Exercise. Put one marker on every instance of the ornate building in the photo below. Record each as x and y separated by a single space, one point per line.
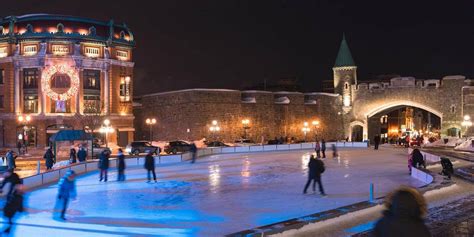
63 72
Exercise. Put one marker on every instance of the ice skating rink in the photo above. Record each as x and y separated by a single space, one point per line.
217 195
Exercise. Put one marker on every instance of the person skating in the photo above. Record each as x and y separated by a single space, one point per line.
405 209
315 169
317 149
19 145
323 148
193 151
49 157
66 191
150 166
72 155
376 142
334 151
10 180
104 165
121 165
10 160
82 154
13 205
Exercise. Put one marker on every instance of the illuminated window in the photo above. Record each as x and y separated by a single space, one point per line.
125 89
92 52
122 55
30 49
60 106
3 52
30 78
92 104
60 49
30 104
60 81
384 119
91 79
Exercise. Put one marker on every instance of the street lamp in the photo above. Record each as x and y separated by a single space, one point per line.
466 123
106 128
214 128
305 129
246 125
150 123
315 124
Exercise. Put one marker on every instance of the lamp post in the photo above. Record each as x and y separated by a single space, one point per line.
315 124
245 125
466 123
214 128
150 123
106 128
305 130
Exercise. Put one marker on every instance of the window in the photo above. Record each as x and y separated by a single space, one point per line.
61 81
92 52
2 75
92 104
30 49
125 89
91 79
30 104
60 106
30 78
60 49
1 102
346 86
3 52
122 54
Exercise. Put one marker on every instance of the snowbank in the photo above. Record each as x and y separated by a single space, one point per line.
466 145
446 142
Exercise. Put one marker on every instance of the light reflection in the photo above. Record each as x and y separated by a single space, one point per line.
214 177
246 170
346 164
304 161
346 176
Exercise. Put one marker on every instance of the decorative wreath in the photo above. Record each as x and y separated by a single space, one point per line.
48 74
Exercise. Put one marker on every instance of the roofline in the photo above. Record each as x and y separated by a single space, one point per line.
44 16
189 90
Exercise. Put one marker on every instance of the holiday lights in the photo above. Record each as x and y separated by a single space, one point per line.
48 74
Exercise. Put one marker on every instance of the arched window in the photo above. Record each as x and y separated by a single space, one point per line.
60 28
92 31
453 109
346 85
122 34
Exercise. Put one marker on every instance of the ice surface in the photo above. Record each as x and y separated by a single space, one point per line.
218 195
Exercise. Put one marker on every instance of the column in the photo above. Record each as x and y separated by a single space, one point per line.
17 88
106 92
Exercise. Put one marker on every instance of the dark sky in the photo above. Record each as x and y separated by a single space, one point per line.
233 44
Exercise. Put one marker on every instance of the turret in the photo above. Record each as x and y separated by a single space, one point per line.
345 73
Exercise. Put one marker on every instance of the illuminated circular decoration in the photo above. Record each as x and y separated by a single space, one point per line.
48 74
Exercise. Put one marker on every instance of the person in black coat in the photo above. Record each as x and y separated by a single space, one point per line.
82 154
323 148
193 151
405 208
104 165
13 205
376 142
150 166
49 157
11 179
316 168
72 155
121 165
417 159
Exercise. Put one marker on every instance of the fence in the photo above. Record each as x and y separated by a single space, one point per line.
81 168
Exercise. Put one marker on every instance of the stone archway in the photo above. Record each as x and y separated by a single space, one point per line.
357 131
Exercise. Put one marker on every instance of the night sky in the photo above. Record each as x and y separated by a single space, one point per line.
236 44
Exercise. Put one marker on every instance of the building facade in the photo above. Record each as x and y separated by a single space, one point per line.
354 110
62 72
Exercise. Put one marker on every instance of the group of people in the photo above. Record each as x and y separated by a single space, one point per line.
74 156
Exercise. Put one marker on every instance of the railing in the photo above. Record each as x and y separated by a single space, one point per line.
52 176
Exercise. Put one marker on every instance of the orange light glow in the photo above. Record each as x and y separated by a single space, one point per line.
22 31
83 31
52 29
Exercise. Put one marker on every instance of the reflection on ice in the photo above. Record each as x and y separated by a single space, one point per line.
214 177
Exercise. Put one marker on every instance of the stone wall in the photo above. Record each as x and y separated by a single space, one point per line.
270 114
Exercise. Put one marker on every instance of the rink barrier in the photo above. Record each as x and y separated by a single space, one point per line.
427 156
421 175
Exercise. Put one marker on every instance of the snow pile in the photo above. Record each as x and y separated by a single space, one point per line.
446 142
61 164
466 145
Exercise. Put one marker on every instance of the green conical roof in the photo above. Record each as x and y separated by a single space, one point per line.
344 56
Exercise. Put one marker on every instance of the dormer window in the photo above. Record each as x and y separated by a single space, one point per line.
122 34
30 50
60 28
92 52
60 49
122 54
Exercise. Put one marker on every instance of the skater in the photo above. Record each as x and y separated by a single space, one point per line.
10 180
193 151
317 148
13 205
104 165
121 165
315 169
11 160
82 154
334 151
323 148
67 190
72 155
49 157
19 145
417 159
376 142
447 167
405 209
150 166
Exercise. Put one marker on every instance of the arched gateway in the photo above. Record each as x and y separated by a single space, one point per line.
399 106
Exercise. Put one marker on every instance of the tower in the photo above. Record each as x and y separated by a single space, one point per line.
345 74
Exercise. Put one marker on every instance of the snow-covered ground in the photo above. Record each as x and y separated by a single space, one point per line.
466 145
218 195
